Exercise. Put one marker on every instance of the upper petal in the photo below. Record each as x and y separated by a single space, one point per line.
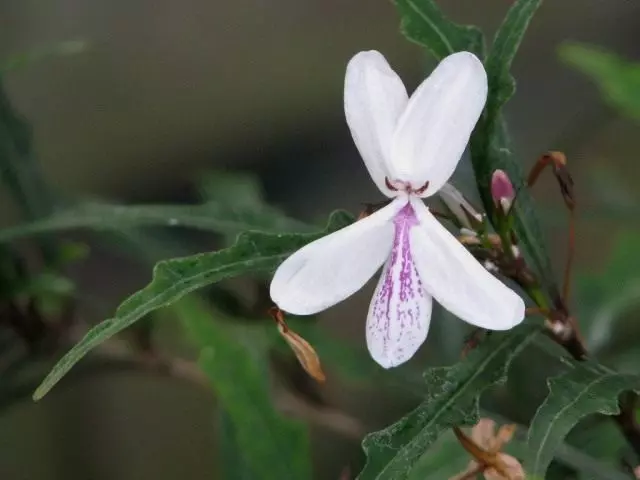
435 127
457 281
334 267
374 99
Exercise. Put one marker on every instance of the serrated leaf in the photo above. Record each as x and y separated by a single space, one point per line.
617 78
271 446
452 400
503 51
172 279
208 217
423 23
586 389
490 144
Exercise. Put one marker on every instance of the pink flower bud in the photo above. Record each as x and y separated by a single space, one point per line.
502 191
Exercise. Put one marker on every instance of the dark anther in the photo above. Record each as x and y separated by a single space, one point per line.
389 184
407 186
422 189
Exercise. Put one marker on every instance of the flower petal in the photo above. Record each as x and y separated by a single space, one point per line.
435 127
334 267
457 281
400 310
374 99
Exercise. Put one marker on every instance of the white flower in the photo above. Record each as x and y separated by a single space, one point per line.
410 147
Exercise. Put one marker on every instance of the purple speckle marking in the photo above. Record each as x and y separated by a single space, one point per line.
400 310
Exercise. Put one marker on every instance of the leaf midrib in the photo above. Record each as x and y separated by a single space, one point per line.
442 36
561 412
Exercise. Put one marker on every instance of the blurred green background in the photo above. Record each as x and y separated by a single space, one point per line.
166 91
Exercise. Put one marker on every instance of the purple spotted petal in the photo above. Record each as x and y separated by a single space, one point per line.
400 310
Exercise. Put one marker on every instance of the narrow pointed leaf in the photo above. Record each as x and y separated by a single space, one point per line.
490 144
267 445
452 400
503 51
586 389
208 217
423 23
172 279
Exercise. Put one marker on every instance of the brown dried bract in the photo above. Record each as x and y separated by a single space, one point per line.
558 163
485 445
304 352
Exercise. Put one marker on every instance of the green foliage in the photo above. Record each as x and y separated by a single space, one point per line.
423 23
212 217
502 53
172 279
444 459
617 78
586 389
19 171
490 144
610 293
230 459
452 399
238 374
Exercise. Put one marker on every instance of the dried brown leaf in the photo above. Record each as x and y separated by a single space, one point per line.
302 349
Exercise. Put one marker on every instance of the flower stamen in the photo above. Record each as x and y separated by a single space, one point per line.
399 185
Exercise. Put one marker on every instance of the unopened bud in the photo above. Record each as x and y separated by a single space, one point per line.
502 191
460 207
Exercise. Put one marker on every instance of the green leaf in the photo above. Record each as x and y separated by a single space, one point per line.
606 295
64 48
230 459
209 217
172 279
19 171
586 389
233 188
617 78
502 53
242 191
272 446
445 459
490 144
423 23
452 400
